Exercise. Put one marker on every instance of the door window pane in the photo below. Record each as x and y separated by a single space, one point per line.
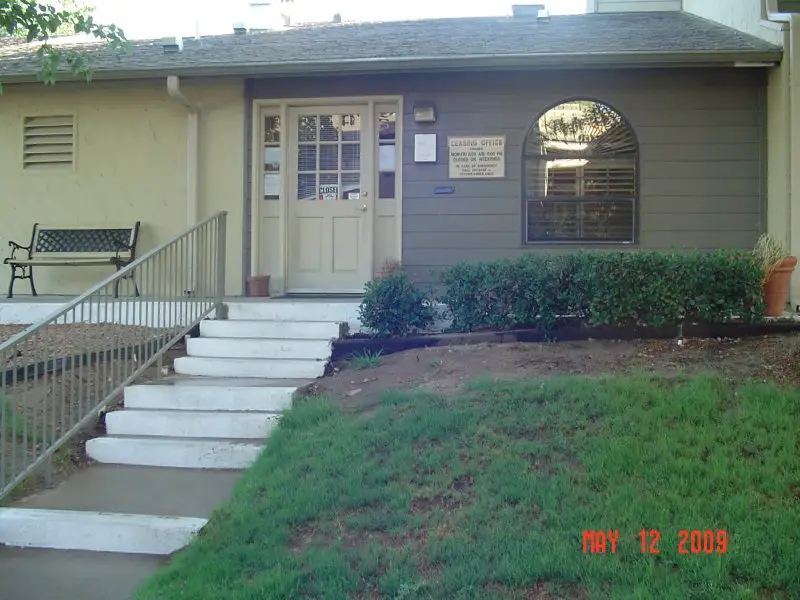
307 129
387 126
387 155
328 128
272 130
306 158
307 186
386 185
272 158
351 128
386 158
328 178
329 157
351 157
351 186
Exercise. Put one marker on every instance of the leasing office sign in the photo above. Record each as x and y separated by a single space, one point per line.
477 157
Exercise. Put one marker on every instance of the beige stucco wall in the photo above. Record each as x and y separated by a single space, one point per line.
744 15
778 155
131 159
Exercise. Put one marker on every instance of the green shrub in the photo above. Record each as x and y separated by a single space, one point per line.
659 288
604 288
503 293
394 306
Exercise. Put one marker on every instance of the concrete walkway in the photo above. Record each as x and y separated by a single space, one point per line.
35 574
41 574
139 491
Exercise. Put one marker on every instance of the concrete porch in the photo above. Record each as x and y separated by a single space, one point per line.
26 309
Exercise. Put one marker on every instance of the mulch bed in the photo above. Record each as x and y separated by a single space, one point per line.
55 341
343 349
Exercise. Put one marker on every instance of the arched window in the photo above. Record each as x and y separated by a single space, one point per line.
579 169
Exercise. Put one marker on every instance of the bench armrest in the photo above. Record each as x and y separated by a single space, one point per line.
14 247
123 247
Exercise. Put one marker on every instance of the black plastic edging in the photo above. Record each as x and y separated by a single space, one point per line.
345 348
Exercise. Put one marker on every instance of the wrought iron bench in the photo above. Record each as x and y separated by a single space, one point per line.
70 246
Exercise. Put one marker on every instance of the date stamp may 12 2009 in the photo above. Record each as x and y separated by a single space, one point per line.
694 541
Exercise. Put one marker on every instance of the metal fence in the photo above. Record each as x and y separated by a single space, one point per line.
58 374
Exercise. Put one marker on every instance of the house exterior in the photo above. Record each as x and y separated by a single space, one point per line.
335 148
776 22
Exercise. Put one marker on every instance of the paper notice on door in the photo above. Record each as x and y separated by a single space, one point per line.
272 186
386 158
272 158
329 192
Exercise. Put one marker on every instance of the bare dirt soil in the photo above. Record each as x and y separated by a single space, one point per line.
444 369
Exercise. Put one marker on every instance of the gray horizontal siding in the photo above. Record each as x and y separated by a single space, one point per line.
701 154
706 169
701 162
700 222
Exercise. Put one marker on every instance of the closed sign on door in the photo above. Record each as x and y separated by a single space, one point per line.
329 192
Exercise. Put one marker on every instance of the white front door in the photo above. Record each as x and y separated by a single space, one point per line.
330 216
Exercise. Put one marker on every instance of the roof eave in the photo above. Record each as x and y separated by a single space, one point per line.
384 65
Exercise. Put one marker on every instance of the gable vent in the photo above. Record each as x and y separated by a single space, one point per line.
48 142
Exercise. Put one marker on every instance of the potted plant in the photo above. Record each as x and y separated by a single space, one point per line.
778 268
258 286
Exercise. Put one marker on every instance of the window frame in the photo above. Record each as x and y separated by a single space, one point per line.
636 199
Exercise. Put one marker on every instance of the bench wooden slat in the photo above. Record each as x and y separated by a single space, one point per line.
55 262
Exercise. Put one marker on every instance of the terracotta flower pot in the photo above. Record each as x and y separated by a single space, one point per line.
258 286
776 288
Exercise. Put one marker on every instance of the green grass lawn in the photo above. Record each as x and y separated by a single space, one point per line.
486 495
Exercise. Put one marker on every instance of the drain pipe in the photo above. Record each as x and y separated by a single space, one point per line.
192 148
192 164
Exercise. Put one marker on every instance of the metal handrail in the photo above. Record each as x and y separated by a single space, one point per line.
43 405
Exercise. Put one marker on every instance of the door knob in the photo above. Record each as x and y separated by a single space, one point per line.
363 208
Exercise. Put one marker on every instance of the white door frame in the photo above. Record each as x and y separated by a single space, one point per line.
266 107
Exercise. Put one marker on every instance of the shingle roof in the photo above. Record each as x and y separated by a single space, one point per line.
634 38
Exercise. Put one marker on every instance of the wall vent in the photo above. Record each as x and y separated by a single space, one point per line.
48 142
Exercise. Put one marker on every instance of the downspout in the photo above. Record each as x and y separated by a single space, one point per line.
792 53
192 163
192 148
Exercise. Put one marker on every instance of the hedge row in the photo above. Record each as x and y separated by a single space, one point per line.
597 288
605 288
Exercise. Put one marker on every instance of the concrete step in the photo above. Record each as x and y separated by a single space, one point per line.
180 453
275 368
33 573
293 330
259 348
191 424
344 311
96 531
217 395
125 489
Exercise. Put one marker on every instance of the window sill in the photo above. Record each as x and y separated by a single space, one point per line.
579 245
